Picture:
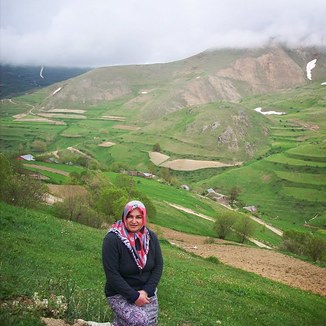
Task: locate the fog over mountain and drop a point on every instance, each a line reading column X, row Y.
column 106, row 32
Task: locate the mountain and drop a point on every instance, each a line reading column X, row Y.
column 17, row 80
column 214, row 75
column 194, row 108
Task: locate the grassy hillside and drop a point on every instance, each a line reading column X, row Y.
column 287, row 184
column 54, row 257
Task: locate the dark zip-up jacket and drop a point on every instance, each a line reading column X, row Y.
column 122, row 273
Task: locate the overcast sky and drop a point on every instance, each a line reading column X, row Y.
column 111, row 32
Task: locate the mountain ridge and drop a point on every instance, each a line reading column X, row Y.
column 211, row 76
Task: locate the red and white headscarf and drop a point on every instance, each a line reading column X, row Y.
column 130, row 238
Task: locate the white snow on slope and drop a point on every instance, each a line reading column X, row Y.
column 259, row 110
column 41, row 72
column 57, row 90
column 310, row 65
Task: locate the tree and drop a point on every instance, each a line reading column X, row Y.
column 245, row 227
column 111, row 202
column 234, row 194
column 39, row 146
column 305, row 243
column 157, row 147
column 72, row 206
column 118, row 167
column 19, row 189
column 124, row 181
column 151, row 168
column 224, row 223
column 316, row 248
column 6, row 176
column 165, row 173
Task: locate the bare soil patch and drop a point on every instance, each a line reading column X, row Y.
column 106, row 144
column 267, row 263
column 62, row 115
column 45, row 168
column 65, row 191
column 77, row 151
column 67, row 111
column 53, row 122
column 71, row 136
column 157, row 158
column 191, row 165
column 113, row 117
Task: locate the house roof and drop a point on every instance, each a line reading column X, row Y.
column 28, row 157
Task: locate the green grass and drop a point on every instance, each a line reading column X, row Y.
column 43, row 254
column 307, row 178
column 61, row 167
column 313, row 195
column 310, row 150
column 283, row 159
column 54, row 178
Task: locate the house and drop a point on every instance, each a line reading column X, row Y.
column 27, row 157
column 148, row 175
column 251, row 209
column 139, row 174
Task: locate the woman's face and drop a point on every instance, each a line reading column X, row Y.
column 134, row 220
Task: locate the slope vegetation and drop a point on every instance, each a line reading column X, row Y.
column 57, row 258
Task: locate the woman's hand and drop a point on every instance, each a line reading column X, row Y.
column 142, row 299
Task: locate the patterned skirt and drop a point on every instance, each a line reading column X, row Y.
column 127, row 314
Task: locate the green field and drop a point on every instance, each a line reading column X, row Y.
column 308, row 178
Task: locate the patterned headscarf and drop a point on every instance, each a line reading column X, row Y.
column 130, row 238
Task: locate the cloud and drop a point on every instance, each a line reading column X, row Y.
column 108, row 32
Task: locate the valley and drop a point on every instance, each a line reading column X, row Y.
column 208, row 136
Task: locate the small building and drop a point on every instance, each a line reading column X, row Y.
column 211, row 191
column 251, row 209
column 27, row 157
column 148, row 175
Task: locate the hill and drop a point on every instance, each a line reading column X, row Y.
column 47, row 258
column 212, row 76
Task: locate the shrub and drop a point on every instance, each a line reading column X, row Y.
column 305, row 244
column 111, row 201
column 245, row 227
column 213, row 259
column 316, row 248
column 19, row 189
column 224, row 223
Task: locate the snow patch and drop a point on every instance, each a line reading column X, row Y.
column 57, row 90
column 324, row 83
column 259, row 110
column 41, row 72
column 310, row 65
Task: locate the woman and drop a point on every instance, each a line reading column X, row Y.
column 133, row 265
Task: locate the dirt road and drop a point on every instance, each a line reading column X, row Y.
column 267, row 263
